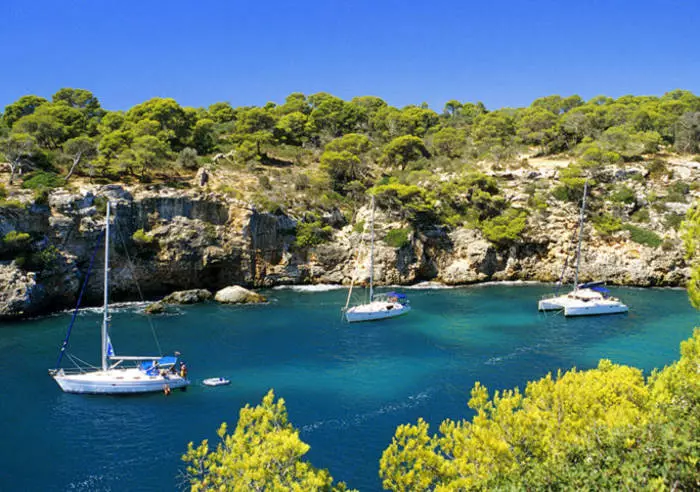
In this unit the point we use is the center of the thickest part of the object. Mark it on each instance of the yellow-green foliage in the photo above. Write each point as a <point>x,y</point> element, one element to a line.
<point>602,429</point>
<point>264,452</point>
<point>16,240</point>
<point>142,238</point>
<point>505,228</point>
<point>691,239</point>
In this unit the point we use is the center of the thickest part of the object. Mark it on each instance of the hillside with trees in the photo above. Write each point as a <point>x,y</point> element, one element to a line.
<point>317,152</point>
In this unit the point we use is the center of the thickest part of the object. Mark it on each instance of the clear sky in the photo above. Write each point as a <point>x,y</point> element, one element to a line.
<point>501,52</point>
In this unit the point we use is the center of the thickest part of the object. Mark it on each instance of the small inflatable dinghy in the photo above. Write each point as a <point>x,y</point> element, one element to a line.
<point>216,381</point>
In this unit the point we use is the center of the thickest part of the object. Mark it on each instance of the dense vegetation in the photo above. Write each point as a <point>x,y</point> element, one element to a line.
<point>319,152</point>
<point>608,428</point>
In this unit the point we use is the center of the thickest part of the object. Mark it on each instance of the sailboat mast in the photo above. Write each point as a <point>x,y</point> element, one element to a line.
<point>105,318</point>
<point>580,235</point>
<point>371,258</point>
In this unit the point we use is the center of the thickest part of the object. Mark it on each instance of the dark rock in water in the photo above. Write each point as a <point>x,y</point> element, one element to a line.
<point>155,308</point>
<point>188,297</point>
<point>236,294</point>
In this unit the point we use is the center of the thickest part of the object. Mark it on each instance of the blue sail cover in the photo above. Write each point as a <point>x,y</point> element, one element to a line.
<point>595,286</point>
<point>397,295</point>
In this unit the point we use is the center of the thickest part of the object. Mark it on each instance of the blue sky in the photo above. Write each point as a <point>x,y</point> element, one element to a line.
<point>502,52</point>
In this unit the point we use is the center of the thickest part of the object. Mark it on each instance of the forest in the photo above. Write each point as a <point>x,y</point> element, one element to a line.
<point>319,152</point>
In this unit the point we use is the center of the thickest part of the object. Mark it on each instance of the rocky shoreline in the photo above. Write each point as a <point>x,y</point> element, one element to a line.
<point>173,240</point>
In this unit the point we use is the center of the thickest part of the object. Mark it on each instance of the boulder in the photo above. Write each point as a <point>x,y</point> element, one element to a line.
<point>155,308</point>
<point>188,296</point>
<point>235,294</point>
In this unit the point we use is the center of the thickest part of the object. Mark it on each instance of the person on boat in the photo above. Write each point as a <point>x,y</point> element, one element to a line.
<point>183,370</point>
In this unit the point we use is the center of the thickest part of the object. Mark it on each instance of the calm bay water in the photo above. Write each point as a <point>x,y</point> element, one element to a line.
<point>347,387</point>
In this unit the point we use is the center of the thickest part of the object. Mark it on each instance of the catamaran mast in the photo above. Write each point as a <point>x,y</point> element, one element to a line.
<point>371,258</point>
<point>105,318</point>
<point>580,235</point>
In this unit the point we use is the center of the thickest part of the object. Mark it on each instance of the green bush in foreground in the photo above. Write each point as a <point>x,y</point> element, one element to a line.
<point>263,452</point>
<point>602,429</point>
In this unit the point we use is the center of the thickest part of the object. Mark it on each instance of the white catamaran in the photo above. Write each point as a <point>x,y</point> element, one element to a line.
<point>145,374</point>
<point>379,306</point>
<point>587,299</point>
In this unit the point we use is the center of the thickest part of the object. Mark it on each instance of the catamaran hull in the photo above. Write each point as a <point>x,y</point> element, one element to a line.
<point>357,316</point>
<point>595,310</point>
<point>550,305</point>
<point>106,384</point>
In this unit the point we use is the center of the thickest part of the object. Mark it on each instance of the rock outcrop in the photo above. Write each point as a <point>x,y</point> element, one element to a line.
<point>192,296</point>
<point>235,294</point>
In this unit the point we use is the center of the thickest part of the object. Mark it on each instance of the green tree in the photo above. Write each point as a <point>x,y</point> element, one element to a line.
<point>24,106</point>
<point>355,143</point>
<point>264,452</point>
<point>342,167</point>
<point>449,142</point>
<point>538,127</point>
<point>52,124</point>
<point>18,149</point>
<point>187,158</point>
<point>221,112</point>
<point>204,136</point>
<point>292,128</point>
<point>173,120</point>
<point>688,133</point>
<point>149,153</point>
<point>80,150</point>
<point>403,150</point>
<point>256,125</point>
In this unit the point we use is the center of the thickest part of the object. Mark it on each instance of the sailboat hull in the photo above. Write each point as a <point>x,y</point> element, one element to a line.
<point>118,382</point>
<point>375,311</point>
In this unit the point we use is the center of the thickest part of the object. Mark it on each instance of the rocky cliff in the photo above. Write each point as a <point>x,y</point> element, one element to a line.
<point>166,240</point>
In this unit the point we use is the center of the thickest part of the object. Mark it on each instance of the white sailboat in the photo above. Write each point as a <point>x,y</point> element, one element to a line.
<point>379,306</point>
<point>145,374</point>
<point>587,299</point>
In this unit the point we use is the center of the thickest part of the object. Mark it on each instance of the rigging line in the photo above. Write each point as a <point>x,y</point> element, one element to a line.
<point>130,265</point>
<point>64,345</point>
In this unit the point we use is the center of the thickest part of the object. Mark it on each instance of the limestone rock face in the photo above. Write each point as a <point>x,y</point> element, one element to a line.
<point>235,294</point>
<point>188,296</point>
<point>20,295</point>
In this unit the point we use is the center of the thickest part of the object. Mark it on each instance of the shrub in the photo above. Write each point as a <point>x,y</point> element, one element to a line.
<point>312,234</point>
<point>397,238</point>
<point>142,238</point>
<point>641,215</point>
<point>359,226</point>
<point>643,236</point>
<point>606,224</point>
<point>100,203</point>
<point>623,195</point>
<point>16,240</point>
<point>673,220</point>
<point>505,228</point>
<point>38,180</point>
<point>45,258</point>
<point>264,182</point>
<point>187,158</point>
<point>3,191</point>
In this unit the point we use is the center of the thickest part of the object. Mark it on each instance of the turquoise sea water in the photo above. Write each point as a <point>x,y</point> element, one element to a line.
<point>347,387</point>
